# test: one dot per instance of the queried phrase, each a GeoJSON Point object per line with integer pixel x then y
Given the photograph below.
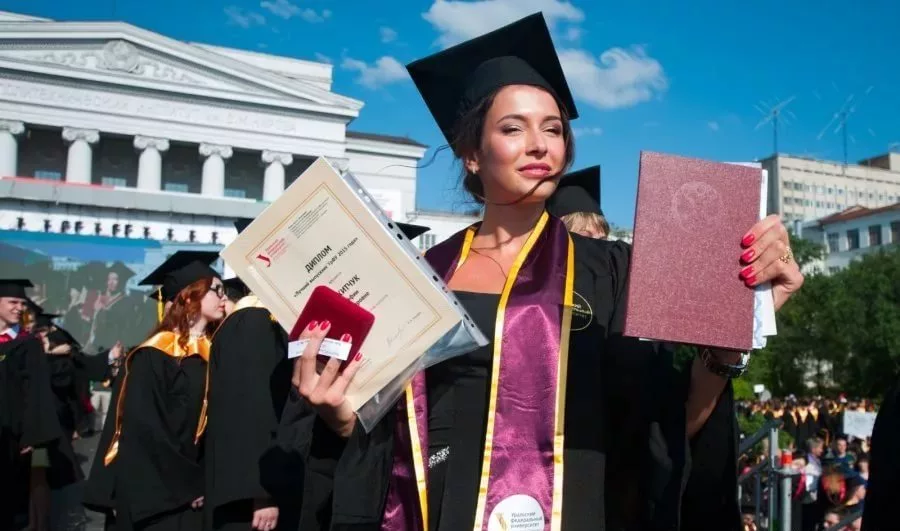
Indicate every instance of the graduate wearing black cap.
{"type": "Point", "coordinates": [114, 311]}
{"type": "Point", "coordinates": [148, 466]}
{"type": "Point", "coordinates": [28, 420]}
{"type": "Point", "coordinates": [606, 441]}
{"type": "Point", "coordinates": [576, 202]}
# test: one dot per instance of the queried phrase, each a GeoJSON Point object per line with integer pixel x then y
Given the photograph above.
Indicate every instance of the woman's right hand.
{"type": "Point", "coordinates": [326, 391]}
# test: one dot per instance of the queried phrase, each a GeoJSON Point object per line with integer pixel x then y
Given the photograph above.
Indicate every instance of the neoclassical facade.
{"type": "Point", "coordinates": [109, 129]}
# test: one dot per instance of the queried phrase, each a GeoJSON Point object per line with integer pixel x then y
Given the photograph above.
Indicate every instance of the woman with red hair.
{"type": "Point", "coordinates": [147, 473]}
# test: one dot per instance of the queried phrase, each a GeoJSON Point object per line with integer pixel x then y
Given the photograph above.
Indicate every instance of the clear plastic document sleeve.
{"type": "Point", "coordinates": [326, 229]}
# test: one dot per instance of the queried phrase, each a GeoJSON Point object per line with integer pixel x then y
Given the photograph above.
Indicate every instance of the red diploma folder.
{"type": "Point", "coordinates": [683, 285]}
{"type": "Point", "coordinates": [345, 316]}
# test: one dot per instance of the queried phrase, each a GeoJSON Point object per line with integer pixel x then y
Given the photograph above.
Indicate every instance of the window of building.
{"type": "Point", "coordinates": [818, 204]}
{"type": "Point", "coordinates": [427, 241]}
{"type": "Point", "coordinates": [840, 192]}
{"type": "Point", "coordinates": [874, 235]}
{"type": "Point", "coordinates": [833, 269]}
{"type": "Point", "coordinates": [853, 239]}
{"type": "Point", "coordinates": [48, 175]}
{"type": "Point", "coordinates": [235, 192]}
{"type": "Point", "coordinates": [176, 187]}
{"type": "Point", "coordinates": [798, 186]}
{"type": "Point", "coordinates": [834, 242]}
{"type": "Point", "coordinates": [806, 188]}
{"type": "Point", "coordinates": [807, 202]}
{"type": "Point", "coordinates": [830, 190]}
{"type": "Point", "coordinates": [787, 184]}
{"type": "Point", "coordinates": [113, 181]}
{"type": "Point", "coordinates": [895, 232]}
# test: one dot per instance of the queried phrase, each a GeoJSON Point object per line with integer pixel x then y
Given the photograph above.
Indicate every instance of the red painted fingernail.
{"type": "Point", "coordinates": [748, 255]}
{"type": "Point", "coordinates": [312, 325]}
{"type": "Point", "coordinates": [358, 356]}
{"type": "Point", "coordinates": [748, 239]}
{"type": "Point", "coordinates": [746, 272]}
{"type": "Point", "coordinates": [346, 338]}
{"type": "Point", "coordinates": [323, 325]}
{"type": "Point", "coordinates": [751, 280]}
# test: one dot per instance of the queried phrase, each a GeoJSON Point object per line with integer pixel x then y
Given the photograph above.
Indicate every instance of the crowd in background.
{"type": "Point", "coordinates": [831, 467]}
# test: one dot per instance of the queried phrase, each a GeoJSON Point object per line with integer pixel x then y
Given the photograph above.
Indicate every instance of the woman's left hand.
{"type": "Point", "coordinates": [767, 257]}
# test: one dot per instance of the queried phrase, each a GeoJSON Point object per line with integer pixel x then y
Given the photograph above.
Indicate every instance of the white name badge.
{"type": "Point", "coordinates": [330, 347]}
{"type": "Point", "coordinates": [517, 513]}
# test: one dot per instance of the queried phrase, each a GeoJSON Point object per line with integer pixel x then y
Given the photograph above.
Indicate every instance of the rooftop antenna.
{"type": "Point", "coordinates": [894, 147]}
{"type": "Point", "coordinates": [839, 120]}
{"type": "Point", "coordinates": [774, 113]}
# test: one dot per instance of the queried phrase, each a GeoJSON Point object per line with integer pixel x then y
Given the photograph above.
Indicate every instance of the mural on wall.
{"type": "Point", "coordinates": [89, 282]}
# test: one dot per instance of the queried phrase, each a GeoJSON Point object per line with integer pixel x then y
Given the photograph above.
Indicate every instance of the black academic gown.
{"type": "Point", "coordinates": [627, 459]}
{"type": "Point", "coordinates": [249, 379]}
{"type": "Point", "coordinates": [158, 471]}
{"type": "Point", "coordinates": [27, 419]}
{"type": "Point", "coordinates": [883, 488]}
{"type": "Point", "coordinates": [64, 466]}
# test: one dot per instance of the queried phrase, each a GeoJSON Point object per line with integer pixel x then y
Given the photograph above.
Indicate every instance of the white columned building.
{"type": "Point", "coordinates": [9, 145]}
{"type": "Point", "coordinates": [80, 160]}
{"type": "Point", "coordinates": [273, 180]}
{"type": "Point", "coordinates": [108, 129]}
{"type": "Point", "coordinates": [150, 162]}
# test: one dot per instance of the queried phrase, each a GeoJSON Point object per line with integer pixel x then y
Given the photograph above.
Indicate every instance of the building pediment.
{"type": "Point", "coordinates": [114, 53]}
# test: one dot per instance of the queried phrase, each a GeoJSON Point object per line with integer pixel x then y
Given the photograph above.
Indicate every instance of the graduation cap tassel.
{"type": "Point", "coordinates": [159, 305]}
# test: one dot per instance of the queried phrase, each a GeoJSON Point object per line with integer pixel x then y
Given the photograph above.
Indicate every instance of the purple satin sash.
{"type": "Point", "coordinates": [524, 425]}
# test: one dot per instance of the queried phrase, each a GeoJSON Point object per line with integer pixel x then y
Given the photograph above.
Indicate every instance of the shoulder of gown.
{"type": "Point", "coordinates": [250, 377]}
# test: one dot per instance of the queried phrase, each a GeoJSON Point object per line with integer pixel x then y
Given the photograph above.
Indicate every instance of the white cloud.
{"type": "Point", "coordinates": [457, 21]}
{"type": "Point", "coordinates": [242, 18]}
{"type": "Point", "coordinates": [322, 58]}
{"type": "Point", "coordinates": [387, 34]}
{"type": "Point", "coordinates": [619, 78]}
{"type": "Point", "coordinates": [286, 10]}
{"type": "Point", "coordinates": [574, 33]}
{"type": "Point", "coordinates": [587, 131]}
{"type": "Point", "coordinates": [713, 125]}
{"type": "Point", "coordinates": [384, 71]}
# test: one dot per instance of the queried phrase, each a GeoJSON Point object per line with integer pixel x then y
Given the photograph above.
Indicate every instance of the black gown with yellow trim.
{"type": "Point", "coordinates": [627, 461]}
{"type": "Point", "coordinates": [249, 379]}
{"type": "Point", "coordinates": [158, 467]}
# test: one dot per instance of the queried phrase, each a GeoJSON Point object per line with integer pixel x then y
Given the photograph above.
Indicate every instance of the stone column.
{"type": "Point", "coordinates": [9, 147]}
{"type": "Point", "coordinates": [214, 169]}
{"type": "Point", "coordinates": [273, 181]}
{"type": "Point", "coordinates": [79, 165]}
{"type": "Point", "coordinates": [150, 161]}
{"type": "Point", "coordinates": [341, 164]}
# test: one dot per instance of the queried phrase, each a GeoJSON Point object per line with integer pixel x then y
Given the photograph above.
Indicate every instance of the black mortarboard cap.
{"type": "Point", "coordinates": [60, 336]}
{"type": "Point", "coordinates": [578, 191]}
{"type": "Point", "coordinates": [235, 288]}
{"type": "Point", "coordinates": [241, 223]}
{"type": "Point", "coordinates": [453, 81]}
{"type": "Point", "coordinates": [123, 271]}
{"type": "Point", "coordinates": [412, 231]}
{"type": "Point", "coordinates": [180, 271]}
{"type": "Point", "coordinates": [14, 287]}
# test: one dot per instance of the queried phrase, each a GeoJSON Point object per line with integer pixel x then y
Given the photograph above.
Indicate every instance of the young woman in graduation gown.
{"type": "Point", "coordinates": [560, 423]}
{"type": "Point", "coordinates": [147, 473]}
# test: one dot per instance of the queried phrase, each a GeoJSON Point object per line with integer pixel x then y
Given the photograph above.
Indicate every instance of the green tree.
{"type": "Point", "coordinates": [805, 251]}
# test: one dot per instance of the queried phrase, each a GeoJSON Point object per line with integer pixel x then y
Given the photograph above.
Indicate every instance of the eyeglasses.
{"type": "Point", "coordinates": [219, 290]}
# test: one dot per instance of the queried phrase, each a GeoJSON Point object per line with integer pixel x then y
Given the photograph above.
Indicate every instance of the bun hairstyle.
{"type": "Point", "coordinates": [469, 132]}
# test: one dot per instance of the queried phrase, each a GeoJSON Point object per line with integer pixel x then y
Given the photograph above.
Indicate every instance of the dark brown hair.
{"type": "Point", "coordinates": [469, 132]}
{"type": "Point", "coordinates": [184, 310]}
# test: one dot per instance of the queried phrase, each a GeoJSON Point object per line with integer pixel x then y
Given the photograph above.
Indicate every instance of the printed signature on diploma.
{"type": "Point", "coordinates": [402, 328]}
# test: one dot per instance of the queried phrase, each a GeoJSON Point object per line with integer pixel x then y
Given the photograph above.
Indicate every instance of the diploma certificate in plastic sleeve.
{"type": "Point", "coordinates": [326, 230]}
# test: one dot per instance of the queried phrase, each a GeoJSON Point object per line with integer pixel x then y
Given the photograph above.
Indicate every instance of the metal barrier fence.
{"type": "Point", "coordinates": [777, 485]}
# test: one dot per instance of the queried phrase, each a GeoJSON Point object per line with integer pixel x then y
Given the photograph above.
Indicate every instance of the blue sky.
{"type": "Point", "coordinates": [678, 77]}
